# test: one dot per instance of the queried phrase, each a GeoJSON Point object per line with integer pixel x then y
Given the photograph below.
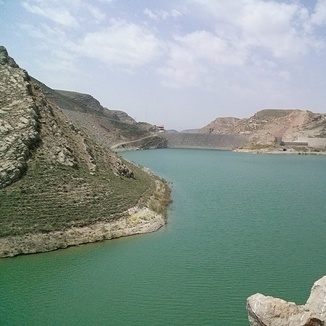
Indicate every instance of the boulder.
{"type": "Point", "coordinates": [268, 311]}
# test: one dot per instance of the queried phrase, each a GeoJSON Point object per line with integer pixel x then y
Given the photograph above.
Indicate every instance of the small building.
{"type": "Point", "coordinates": [160, 128]}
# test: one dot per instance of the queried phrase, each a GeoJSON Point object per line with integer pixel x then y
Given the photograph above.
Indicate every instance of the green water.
{"type": "Point", "coordinates": [239, 224]}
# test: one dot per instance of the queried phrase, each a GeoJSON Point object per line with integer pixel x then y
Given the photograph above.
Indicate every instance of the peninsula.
{"type": "Point", "coordinates": [59, 184]}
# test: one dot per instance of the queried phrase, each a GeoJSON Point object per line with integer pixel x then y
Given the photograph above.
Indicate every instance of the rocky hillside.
{"type": "Point", "coordinates": [107, 127]}
{"type": "Point", "coordinates": [263, 310]}
{"type": "Point", "coordinates": [220, 126]}
{"type": "Point", "coordinates": [271, 128]}
{"type": "Point", "coordinates": [58, 185]}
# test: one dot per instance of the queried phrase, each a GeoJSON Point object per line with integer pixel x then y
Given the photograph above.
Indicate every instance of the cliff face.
{"type": "Point", "coordinates": [56, 181]}
{"type": "Point", "coordinates": [269, 311]}
{"type": "Point", "coordinates": [29, 121]}
{"type": "Point", "coordinates": [269, 127]}
{"type": "Point", "coordinates": [18, 119]}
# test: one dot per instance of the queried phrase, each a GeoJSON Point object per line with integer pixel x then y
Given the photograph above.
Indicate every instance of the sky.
{"type": "Point", "coordinates": [178, 63]}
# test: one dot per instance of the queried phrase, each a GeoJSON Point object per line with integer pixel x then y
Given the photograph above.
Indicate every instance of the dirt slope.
{"type": "Point", "coordinates": [269, 127]}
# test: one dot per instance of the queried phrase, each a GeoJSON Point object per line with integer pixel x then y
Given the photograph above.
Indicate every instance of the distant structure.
{"type": "Point", "coordinates": [160, 128]}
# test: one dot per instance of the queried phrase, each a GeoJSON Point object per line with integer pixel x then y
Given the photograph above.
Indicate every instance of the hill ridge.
{"type": "Point", "coordinates": [58, 185]}
{"type": "Point", "coordinates": [269, 128]}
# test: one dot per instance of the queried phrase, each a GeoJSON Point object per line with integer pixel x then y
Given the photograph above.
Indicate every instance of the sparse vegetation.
{"type": "Point", "coordinates": [259, 146]}
{"type": "Point", "coordinates": [60, 178]}
{"type": "Point", "coordinates": [55, 197]}
{"type": "Point", "coordinates": [271, 114]}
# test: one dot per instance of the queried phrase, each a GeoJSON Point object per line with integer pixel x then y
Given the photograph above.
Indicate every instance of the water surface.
{"type": "Point", "coordinates": [239, 224]}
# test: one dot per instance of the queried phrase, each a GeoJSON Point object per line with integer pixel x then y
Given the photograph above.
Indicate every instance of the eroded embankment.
{"type": "Point", "coordinates": [137, 220]}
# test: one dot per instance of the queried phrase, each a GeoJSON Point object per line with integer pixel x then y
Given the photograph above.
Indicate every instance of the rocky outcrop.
{"type": "Point", "coordinates": [220, 126]}
{"type": "Point", "coordinates": [268, 311]}
{"type": "Point", "coordinates": [5, 59]}
{"type": "Point", "coordinates": [18, 119]}
{"type": "Point", "coordinates": [270, 127]}
{"type": "Point", "coordinates": [59, 186]}
{"type": "Point", "coordinates": [26, 117]}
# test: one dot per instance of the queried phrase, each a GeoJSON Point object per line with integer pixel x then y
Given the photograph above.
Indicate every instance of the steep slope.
{"type": "Point", "coordinates": [107, 127]}
{"type": "Point", "coordinates": [270, 127]}
{"type": "Point", "coordinates": [58, 186]}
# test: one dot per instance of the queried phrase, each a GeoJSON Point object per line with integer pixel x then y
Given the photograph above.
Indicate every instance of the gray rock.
{"type": "Point", "coordinates": [18, 123]}
{"type": "Point", "coordinates": [5, 59]}
{"type": "Point", "coordinates": [24, 115]}
{"type": "Point", "coordinates": [268, 311]}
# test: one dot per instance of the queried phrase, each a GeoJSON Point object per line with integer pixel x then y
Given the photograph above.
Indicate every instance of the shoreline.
{"type": "Point", "coordinates": [136, 220]}
{"type": "Point", "coordinates": [277, 152]}
{"type": "Point", "coordinates": [236, 150]}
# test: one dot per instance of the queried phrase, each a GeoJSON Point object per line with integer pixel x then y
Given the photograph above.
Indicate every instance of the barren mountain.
{"type": "Point", "coordinates": [273, 127]}
{"type": "Point", "coordinates": [220, 126]}
{"type": "Point", "coordinates": [58, 185]}
{"type": "Point", "coordinates": [107, 127]}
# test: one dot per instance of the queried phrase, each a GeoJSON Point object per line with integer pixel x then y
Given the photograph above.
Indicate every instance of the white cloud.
{"type": "Point", "coordinates": [60, 61]}
{"type": "Point", "coordinates": [122, 43]}
{"type": "Point", "coordinates": [319, 15]}
{"type": "Point", "coordinates": [161, 14]}
{"type": "Point", "coordinates": [116, 42]}
{"type": "Point", "coordinates": [51, 37]}
{"type": "Point", "coordinates": [210, 39]}
{"type": "Point", "coordinates": [56, 51]}
{"type": "Point", "coordinates": [180, 70]}
{"type": "Point", "coordinates": [194, 57]}
{"type": "Point", "coordinates": [51, 10]}
{"type": "Point", "coordinates": [175, 13]}
{"type": "Point", "coordinates": [263, 37]}
{"type": "Point", "coordinates": [208, 46]}
{"type": "Point", "coordinates": [96, 13]}
{"type": "Point", "coordinates": [277, 27]}
{"type": "Point", "coordinates": [271, 25]}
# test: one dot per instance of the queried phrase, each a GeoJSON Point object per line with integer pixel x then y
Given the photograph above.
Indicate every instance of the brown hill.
{"type": "Point", "coordinates": [220, 126]}
{"type": "Point", "coordinates": [58, 185]}
{"type": "Point", "coordinates": [107, 127]}
{"type": "Point", "coordinates": [272, 127]}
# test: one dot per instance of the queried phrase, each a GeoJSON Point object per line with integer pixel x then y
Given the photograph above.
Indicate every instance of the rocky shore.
{"type": "Point", "coordinates": [268, 311]}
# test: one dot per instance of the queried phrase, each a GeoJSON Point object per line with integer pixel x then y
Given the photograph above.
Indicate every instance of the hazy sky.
{"type": "Point", "coordinates": [180, 63]}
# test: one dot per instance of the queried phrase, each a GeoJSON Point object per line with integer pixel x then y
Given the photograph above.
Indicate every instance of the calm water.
{"type": "Point", "coordinates": [239, 224]}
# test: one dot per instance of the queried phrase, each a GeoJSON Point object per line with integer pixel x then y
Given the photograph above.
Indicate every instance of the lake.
{"type": "Point", "coordinates": [239, 224]}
